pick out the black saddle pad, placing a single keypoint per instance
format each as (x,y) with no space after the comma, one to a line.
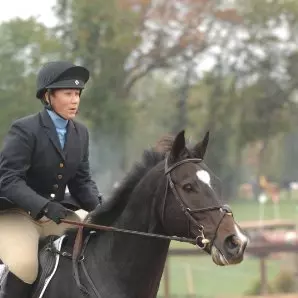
(47,260)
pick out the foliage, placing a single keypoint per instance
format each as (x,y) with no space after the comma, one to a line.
(24,45)
(120,42)
(147,79)
(284,282)
(256,289)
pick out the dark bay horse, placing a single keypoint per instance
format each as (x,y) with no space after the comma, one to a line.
(174,194)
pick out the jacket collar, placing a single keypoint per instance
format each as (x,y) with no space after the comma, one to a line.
(72,142)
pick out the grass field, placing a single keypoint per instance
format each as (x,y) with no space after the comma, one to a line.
(210,280)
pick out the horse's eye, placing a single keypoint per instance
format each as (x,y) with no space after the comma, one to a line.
(187,187)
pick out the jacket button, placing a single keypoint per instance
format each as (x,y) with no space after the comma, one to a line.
(55,186)
(61,165)
(59,177)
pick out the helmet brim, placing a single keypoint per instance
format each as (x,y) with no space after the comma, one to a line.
(67,84)
(72,78)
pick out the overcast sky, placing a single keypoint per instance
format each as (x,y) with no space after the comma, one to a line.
(42,9)
(24,9)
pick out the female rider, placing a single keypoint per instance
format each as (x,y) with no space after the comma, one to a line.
(42,155)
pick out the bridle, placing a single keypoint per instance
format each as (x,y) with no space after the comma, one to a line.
(80,245)
(201,240)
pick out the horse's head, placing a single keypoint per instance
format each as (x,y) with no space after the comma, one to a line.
(193,207)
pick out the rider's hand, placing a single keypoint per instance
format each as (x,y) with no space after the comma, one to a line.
(55,211)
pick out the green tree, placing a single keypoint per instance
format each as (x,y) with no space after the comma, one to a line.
(121,41)
(24,45)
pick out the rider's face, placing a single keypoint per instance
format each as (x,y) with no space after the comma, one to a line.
(66,102)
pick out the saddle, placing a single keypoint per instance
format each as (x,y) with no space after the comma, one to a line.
(3,272)
(50,251)
(48,264)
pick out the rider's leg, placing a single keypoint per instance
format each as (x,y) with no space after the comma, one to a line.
(19,237)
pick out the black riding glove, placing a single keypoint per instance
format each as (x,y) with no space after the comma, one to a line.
(55,211)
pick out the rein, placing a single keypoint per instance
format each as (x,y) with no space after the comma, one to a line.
(78,257)
(186,211)
(132,232)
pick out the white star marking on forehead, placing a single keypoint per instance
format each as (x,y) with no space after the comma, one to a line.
(204,176)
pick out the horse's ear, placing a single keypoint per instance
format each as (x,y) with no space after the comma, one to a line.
(200,149)
(178,146)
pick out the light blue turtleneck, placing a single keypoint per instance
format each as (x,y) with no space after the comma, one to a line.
(60,125)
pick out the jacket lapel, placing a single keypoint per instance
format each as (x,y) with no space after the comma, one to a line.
(51,132)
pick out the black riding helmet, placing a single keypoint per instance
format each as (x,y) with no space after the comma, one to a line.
(60,75)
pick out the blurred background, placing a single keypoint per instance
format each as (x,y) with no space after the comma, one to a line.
(159,66)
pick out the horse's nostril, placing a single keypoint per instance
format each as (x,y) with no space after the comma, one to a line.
(232,242)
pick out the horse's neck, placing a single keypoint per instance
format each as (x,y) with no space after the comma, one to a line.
(136,262)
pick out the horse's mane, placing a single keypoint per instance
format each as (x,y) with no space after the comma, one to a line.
(111,209)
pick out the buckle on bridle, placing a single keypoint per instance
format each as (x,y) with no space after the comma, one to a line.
(201,240)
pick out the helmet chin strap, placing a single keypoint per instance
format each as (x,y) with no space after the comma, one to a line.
(48,105)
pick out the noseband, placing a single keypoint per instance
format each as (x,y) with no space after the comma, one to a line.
(201,240)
